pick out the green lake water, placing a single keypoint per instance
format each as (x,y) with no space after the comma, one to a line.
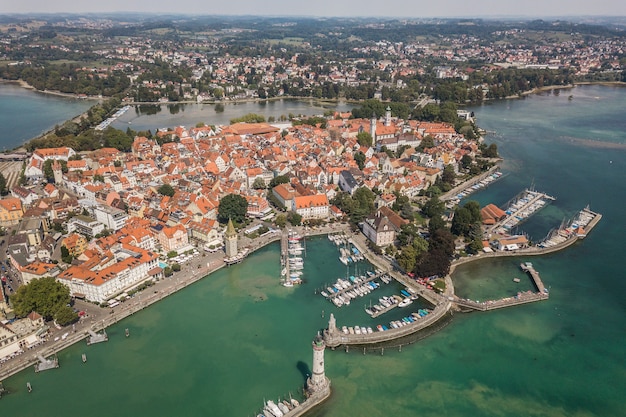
(223,345)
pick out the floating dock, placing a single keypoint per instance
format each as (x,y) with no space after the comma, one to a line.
(97,337)
(46,364)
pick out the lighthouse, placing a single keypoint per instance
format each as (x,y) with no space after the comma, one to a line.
(317,381)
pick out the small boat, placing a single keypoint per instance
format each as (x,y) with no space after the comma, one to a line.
(516,280)
(288,405)
(295,402)
(287,283)
(405,302)
(274,408)
(30,388)
(283,407)
(84,358)
(127,332)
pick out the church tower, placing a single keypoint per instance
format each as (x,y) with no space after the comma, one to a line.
(230,240)
(388,116)
(57,170)
(318,381)
(373,129)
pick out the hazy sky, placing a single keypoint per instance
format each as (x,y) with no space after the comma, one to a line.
(382,8)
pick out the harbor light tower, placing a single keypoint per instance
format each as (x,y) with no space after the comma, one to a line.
(317,381)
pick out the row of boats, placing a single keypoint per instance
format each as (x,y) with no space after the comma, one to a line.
(530,202)
(473,188)
(294,260)
(386,303)
(350,255)
(344,290)
(395,324)
(278,409)
(576,228)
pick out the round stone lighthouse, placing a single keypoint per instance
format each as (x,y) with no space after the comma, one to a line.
(318,381)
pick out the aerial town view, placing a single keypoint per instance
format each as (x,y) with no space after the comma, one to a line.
(319,209)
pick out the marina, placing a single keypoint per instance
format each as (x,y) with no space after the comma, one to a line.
(518,210)
(292,258)
(578,228)
(454,197)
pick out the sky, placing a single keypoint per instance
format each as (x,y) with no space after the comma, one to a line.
(337,8)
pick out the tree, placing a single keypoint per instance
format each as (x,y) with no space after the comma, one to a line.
(364,139)
(43,295)
(281,221)
(167,190)
(448,176)
(65,255)
(407,258)
(433,207)
(427,142)
(3,184)
(232,206)
(491,151)
(461,222)
(175,267)
(359,157)
(294,218)
(474,246)
(281,179)
(259,183)
(65,315)
(98,178)
(466,161)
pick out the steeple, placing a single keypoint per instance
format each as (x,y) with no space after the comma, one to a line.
(230,229)
(230,240)
(373,128)
(388,116)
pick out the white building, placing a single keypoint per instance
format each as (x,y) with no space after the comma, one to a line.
(110,273)
(113,218)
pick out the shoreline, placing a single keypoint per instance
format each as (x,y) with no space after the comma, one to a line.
(23,84)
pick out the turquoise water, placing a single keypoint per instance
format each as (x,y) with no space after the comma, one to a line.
(235,338)
(18,107)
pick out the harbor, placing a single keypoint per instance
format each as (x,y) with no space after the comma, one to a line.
(519,209)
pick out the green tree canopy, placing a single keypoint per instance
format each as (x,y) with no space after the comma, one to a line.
(280,179)
(364,139)
(232,206)
(491,151)
(65,315)
(259,183)
(167,190)
(248,118)
(359,157)
(43,295)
